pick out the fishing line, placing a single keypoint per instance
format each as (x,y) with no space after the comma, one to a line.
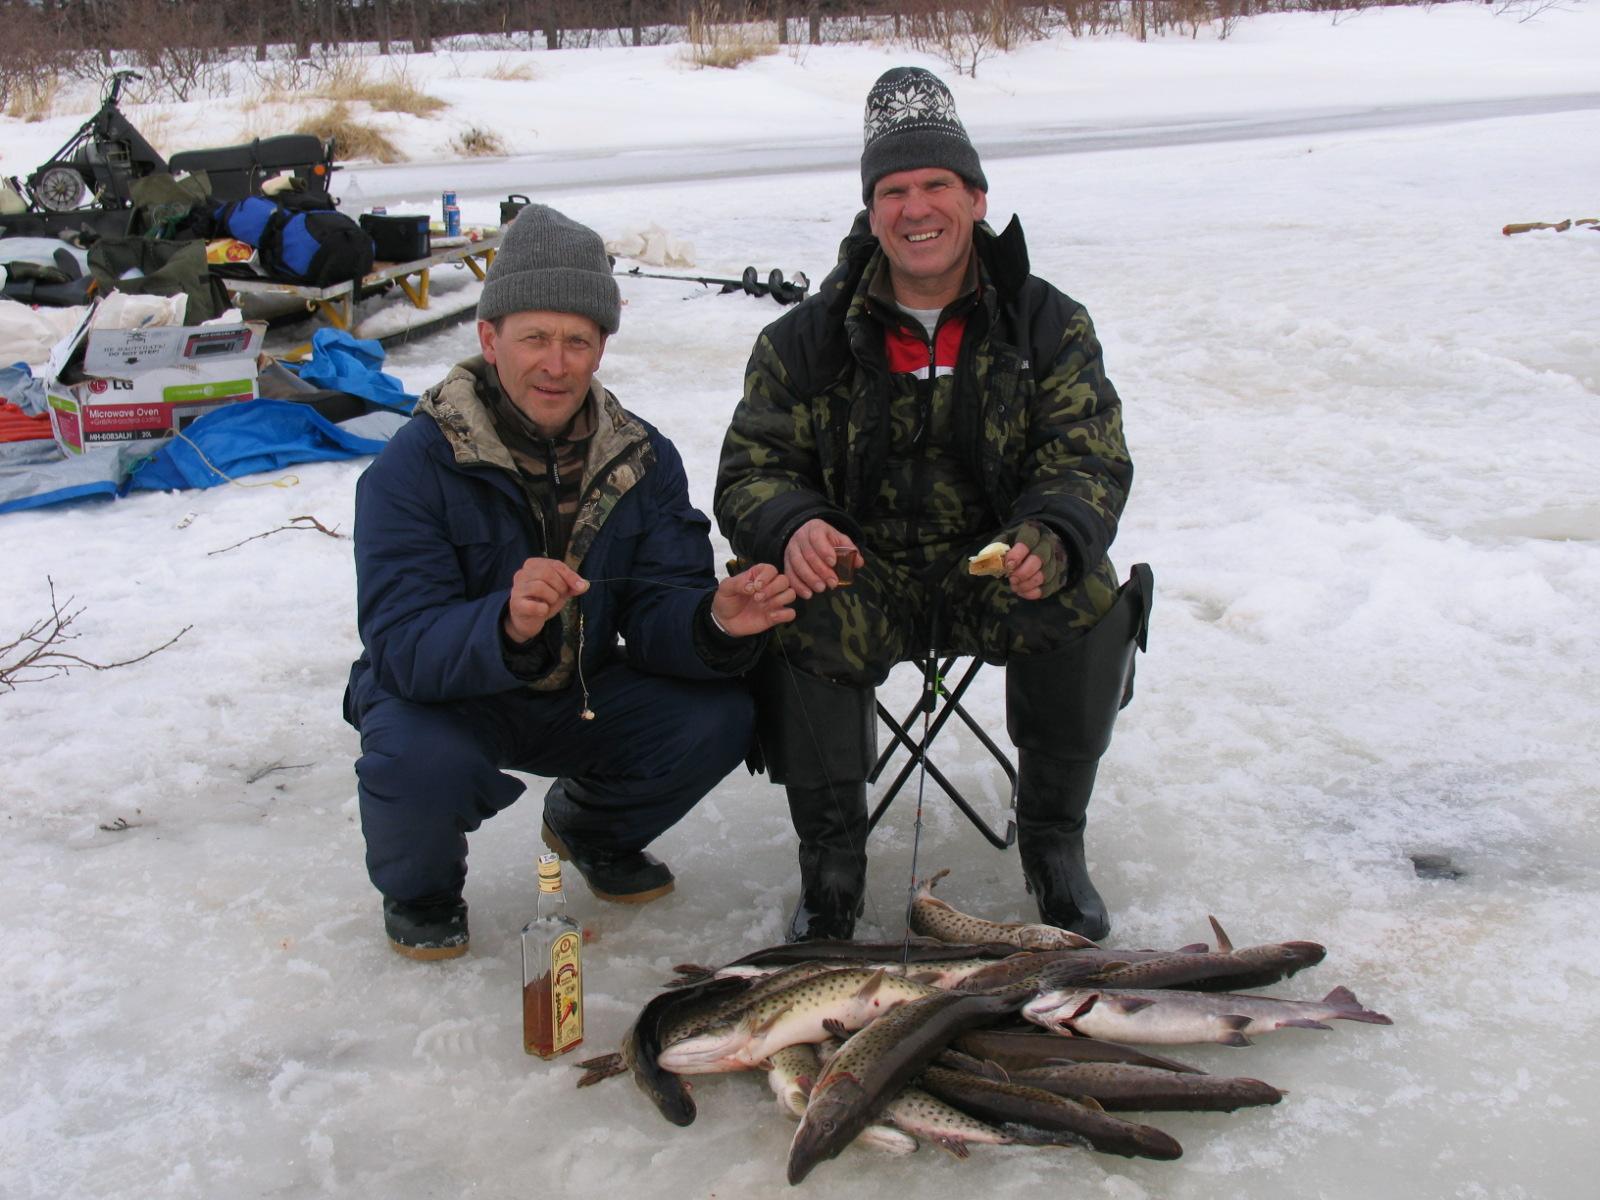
(587,713)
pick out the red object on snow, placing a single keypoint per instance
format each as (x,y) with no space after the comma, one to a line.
(17,426)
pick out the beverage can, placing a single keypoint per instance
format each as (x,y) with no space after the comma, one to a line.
(449,201)
(452,220)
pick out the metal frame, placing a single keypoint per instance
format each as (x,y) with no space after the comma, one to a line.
(336,304)
(934,690)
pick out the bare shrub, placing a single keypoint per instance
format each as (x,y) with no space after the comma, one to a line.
(716,40)
(353,139)
(474,142)
(511,72)
(968,32)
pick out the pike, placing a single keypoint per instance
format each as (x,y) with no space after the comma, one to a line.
(841,953)
(1016,1104)
(1123,1087)
(1222,970)
(808,1011)
(1015,1050)
(932,917)
(792,1071)
(1178,1018)
(874,1064)
(926,1116)
(640,1049)
(677,1015)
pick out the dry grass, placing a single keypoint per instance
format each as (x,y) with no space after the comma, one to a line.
(715,40)
(474,142)
(347,81)
(352,139)
(395,92)
(511,72)
(32,99)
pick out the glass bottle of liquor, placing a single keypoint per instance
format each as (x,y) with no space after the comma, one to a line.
(552,970)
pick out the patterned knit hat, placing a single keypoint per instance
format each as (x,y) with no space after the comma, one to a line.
(549,263)
(911,123)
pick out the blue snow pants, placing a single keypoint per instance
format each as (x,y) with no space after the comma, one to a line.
(429,774)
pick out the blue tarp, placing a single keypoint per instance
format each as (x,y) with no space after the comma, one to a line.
(240,439)
(342,363)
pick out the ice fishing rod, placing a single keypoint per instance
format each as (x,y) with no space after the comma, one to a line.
(784,291)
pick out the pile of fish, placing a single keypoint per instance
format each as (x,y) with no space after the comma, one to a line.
(971,1033)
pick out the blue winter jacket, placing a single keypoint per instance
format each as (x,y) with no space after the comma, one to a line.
(442,526)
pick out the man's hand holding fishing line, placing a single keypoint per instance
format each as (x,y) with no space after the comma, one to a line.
(539,591)
(745,604)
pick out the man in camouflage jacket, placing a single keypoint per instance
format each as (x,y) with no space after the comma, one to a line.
(931,398)
(506,539)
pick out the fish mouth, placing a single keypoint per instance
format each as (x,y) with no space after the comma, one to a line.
(697,1055)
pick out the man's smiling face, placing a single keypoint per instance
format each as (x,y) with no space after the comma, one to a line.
(923,219)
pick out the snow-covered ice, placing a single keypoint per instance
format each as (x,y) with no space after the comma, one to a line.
(1366,431)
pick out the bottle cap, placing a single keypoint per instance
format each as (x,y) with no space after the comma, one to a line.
(549,866)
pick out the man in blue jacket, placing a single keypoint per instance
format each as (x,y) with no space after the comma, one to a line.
(521,525)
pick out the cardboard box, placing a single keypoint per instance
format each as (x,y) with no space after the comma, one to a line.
(110,387)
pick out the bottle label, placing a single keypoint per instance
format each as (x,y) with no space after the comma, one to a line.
(566,988)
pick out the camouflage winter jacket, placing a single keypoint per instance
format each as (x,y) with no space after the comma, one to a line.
(1039,425)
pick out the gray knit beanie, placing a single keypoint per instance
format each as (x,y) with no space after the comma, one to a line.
(911,123)
(549,263)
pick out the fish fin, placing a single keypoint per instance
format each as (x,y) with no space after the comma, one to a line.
(836,1027)
(689,975)
(1223,944)
(873,985)
(760,1028)
(1194,948)
(1352,1009)
(934,880)
(1128,1005)
(1302,1023)
(604,1067)
(1234,1025)
(954,1145)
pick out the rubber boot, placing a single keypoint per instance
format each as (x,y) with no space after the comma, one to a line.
(819,739)
(1060,710)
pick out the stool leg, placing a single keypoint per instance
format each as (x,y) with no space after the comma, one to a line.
(819,740)
(1060,709)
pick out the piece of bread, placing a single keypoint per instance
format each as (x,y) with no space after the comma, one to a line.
(991,560)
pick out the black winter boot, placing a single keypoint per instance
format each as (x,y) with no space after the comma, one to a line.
(832,824)
(1052,796)
(431,928)
(1060,709)
(819,739)
(625,876)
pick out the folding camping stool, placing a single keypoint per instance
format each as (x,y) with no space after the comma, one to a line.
(943,702)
